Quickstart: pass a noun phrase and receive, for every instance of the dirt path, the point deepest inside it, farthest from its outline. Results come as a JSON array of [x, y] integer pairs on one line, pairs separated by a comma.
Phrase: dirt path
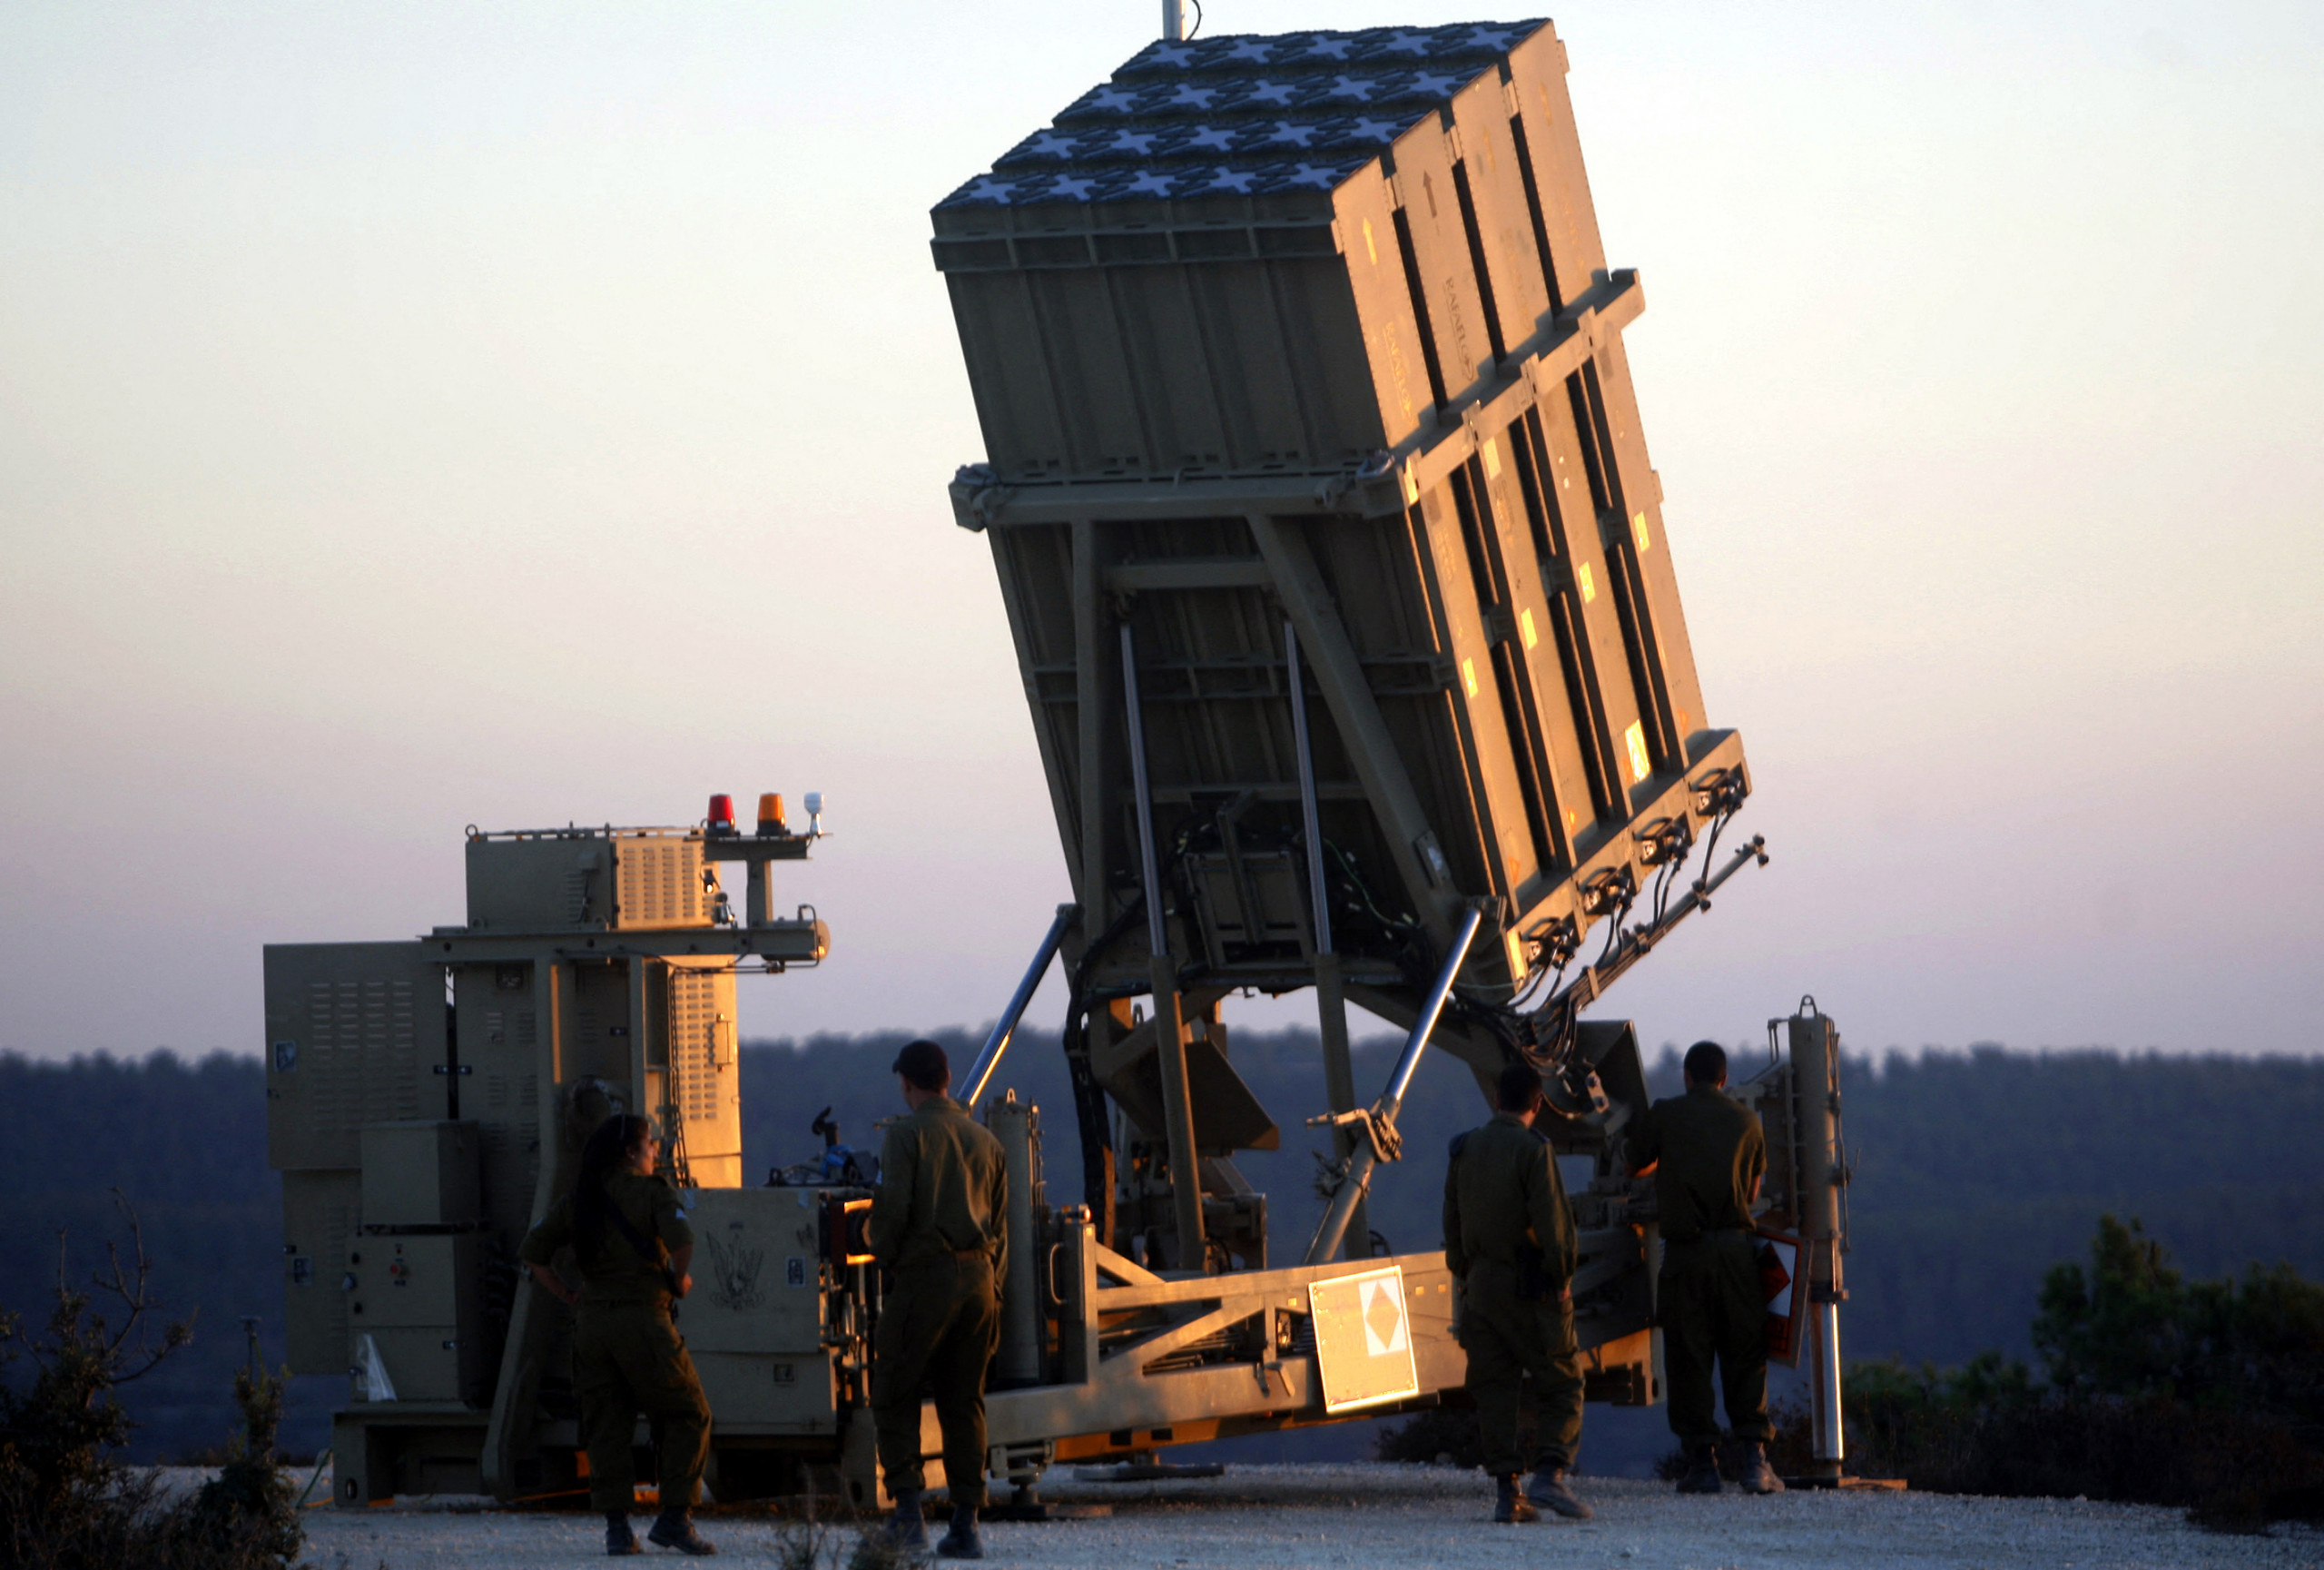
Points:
[[1416, 1517]]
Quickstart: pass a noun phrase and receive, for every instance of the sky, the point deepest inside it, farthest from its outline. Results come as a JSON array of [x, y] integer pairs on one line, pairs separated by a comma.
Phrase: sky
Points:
[[414, 416]]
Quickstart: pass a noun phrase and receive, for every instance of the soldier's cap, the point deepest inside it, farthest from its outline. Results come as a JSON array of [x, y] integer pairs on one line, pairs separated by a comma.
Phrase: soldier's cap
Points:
[[924, 1066]]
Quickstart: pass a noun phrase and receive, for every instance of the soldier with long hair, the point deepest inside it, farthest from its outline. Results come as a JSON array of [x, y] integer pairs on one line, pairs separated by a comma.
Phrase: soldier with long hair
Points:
[[629, 1239]]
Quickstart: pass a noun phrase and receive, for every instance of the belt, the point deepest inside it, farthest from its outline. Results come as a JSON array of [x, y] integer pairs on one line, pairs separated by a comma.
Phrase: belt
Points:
[[1708, 1233], [958, 1256]]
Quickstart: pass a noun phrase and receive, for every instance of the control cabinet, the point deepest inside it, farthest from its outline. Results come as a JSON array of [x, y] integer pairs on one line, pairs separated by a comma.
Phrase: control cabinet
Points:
[[426, 1101]]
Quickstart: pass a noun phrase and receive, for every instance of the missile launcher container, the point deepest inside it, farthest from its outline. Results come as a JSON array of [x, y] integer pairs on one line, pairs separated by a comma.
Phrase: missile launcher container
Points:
[[1318, 329], [1340, 582]]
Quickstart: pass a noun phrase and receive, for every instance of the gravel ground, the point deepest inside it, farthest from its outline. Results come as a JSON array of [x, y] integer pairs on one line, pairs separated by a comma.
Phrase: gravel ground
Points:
[[1373, 1515]]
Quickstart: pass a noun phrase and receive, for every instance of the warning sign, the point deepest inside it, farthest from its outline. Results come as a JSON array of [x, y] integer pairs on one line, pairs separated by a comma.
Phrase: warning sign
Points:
[[1780, 1266], [1363, 1341]]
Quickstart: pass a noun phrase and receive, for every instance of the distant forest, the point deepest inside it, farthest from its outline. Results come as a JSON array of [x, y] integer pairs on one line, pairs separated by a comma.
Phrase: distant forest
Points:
[[1974, 1173]]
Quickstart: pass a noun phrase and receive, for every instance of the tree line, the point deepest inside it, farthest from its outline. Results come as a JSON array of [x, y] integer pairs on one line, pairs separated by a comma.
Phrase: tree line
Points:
[[1975, 1173]]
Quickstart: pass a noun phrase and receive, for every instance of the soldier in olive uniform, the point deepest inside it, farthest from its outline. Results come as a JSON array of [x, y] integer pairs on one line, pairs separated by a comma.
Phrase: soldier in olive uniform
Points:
[[1508, 1238], [630, 1238], [939, 1224], [1706, 1153]]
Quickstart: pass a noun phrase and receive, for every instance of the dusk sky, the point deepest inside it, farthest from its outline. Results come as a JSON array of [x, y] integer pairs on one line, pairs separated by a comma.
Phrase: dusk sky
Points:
[[414, 416]]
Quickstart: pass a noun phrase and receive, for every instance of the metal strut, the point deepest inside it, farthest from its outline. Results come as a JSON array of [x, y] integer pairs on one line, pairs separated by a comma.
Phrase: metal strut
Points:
[[1311, 816], [1330, 986], [1169, 1029], [1005, 1030], [1379, 1124]]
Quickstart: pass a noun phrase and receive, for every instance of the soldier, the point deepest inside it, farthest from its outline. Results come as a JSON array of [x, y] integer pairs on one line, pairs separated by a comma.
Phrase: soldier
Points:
[[1707, 1155], [630, 1238], [1508, 1238], [939, 1225]]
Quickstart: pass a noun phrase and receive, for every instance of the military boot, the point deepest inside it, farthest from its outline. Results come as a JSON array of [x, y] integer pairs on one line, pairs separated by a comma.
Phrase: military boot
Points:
[[1549, 1486], [1510, 1505], [674, 1529], [619, 1539], [1748, 1462], [1702, 1470], [907, 1529], [961, 1542]]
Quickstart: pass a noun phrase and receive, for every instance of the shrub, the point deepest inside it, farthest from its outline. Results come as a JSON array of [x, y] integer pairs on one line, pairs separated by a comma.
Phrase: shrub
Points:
[[2205, 1395], [244, 1518], [1440, 1434], [1946, 1435], [67, 1500]]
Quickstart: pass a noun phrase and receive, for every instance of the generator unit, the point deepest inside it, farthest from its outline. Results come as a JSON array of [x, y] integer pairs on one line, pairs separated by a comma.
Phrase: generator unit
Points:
[[427, 1100]]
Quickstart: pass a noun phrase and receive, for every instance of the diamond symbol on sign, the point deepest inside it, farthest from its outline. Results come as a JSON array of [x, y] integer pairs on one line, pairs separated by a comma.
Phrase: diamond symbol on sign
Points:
[[1384, 1318]]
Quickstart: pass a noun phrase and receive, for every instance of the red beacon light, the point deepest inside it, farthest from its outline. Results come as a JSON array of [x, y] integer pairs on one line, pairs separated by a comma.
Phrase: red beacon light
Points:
[[721, 815], [771, 814]]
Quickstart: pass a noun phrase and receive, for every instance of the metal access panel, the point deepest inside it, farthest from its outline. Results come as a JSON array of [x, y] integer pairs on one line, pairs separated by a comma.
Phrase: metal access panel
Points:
[[503, 1009], [418, 1281], [353, 1033], [423, 1362], [420, 1298], [1316, 329], [421, 1174], [757, 1322], [692, 1076], [320, 1213]]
